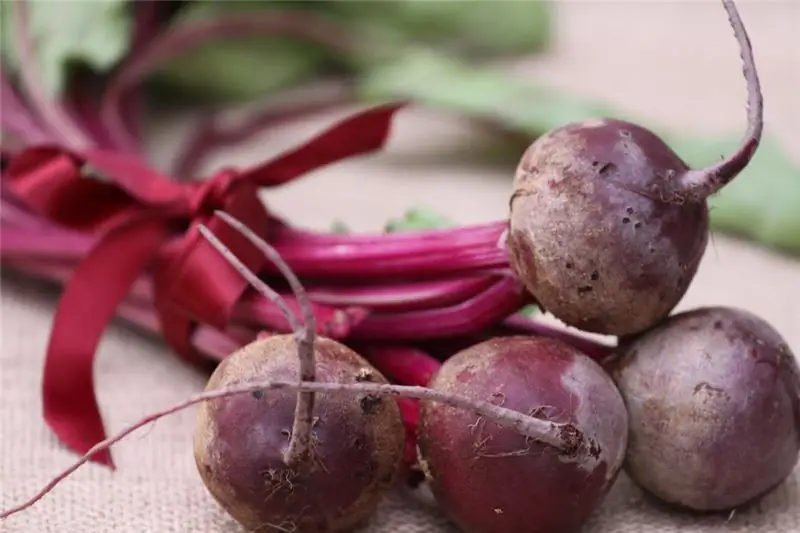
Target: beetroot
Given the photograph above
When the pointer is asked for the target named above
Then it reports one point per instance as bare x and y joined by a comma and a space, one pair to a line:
608, 224
491, 479
357, 442
281, 461
714, 402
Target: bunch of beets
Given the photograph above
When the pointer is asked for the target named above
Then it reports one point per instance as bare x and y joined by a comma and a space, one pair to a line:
347, 362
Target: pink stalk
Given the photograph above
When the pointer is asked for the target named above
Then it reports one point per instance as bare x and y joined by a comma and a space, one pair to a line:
184, 37
252, 312
210, 135
502, 299
523, 325
60, 124
404, 365
207, 340
372, 259
15, 118
409, 296
60, 244
386, 259
487, 233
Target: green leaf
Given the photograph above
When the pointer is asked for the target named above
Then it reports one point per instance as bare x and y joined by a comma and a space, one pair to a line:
340, 227
250, 67
530, 310
445, 83
240, 68
95, 33
762, 204
417, 218
468, 27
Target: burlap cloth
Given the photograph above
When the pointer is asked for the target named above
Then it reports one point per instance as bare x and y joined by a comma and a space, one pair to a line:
673, 62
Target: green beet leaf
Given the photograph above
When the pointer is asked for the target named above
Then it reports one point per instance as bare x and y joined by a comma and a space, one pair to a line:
236, 69
416, 219
467, 27
96, 34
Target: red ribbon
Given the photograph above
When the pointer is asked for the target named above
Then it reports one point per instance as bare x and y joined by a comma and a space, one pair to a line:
147, 220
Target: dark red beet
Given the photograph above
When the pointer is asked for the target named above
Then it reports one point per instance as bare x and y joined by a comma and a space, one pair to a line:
357, 442
296, 461
608, 224
493, 480
714, 402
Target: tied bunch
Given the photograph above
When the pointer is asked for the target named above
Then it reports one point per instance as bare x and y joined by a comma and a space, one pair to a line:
411, 351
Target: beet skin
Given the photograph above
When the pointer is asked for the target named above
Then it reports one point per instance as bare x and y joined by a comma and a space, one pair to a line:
589, 234
714, 402
357, 442
493, 480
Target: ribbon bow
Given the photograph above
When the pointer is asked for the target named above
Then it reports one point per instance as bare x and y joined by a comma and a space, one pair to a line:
146, 220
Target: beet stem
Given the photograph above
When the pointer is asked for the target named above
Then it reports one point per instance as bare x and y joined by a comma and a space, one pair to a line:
300, 440
50, 112
167, 45
209, 135
17, 119
698, 184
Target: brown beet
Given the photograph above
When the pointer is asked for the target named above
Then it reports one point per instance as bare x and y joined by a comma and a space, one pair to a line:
714, 402
608, 225
491, 479
240, 442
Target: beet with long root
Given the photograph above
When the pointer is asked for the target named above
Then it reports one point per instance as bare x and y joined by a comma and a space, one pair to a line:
301, 462
493, 480
608, 224
354, 452
714, 402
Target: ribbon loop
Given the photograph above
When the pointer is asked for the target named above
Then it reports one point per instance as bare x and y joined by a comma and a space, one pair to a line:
214, 193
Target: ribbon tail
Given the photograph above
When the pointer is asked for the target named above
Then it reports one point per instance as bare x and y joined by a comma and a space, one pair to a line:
358, 134
89, 302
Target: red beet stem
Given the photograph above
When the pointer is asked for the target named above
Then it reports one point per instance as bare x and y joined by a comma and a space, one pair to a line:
211, 342
486, 307
331, 321
372, 258
15, 117
410, 412
181, 38
44, 244
492, 305
81, 102
521, 324
380, 260
51, 113
403, 296
53, 243
484, 234
210, 135
250, 311
68, 247
404, 365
